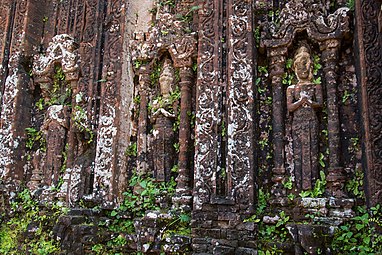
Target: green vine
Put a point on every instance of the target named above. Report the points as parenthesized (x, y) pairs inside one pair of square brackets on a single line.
[(132, 150)]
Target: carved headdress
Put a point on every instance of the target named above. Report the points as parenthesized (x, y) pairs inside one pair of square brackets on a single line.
[(166, 79), (303, 52)]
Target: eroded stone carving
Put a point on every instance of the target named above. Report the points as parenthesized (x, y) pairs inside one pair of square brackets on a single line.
[(58, 126), (163, 117), (325, 29), (55, 128), (311, 16), (62, 49), (370, 41), (303, 100), (171, 42)]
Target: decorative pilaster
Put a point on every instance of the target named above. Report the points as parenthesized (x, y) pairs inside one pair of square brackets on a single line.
[(106, 171), (6, 10), (335, 178), (208, 94), (144, 83), (183, 188), (277, 58), (239, 103), (182, 52), (20, 35), (369, 46)]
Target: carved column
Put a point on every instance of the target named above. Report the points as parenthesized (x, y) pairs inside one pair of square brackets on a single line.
[(144, 83), (183, 188), (20, 36), (181, 52), (239, 105), (277, 57), (6, 9), (72, 78), (335, 176), (71, 196)]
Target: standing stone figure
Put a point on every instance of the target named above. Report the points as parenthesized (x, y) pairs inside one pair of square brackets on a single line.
[(55, 127), (303, 100), (163, 119)]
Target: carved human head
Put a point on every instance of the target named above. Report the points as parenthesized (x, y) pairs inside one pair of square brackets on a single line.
[(302, 64), (166, 79)]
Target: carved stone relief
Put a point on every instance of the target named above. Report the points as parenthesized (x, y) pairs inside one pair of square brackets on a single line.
[(326, 30), (162, 117), (303, 100), (168, 45), (58, 126), (370, 41)]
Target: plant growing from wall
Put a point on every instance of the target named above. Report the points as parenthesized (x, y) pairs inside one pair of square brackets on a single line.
[(35, 136), (61, 91), (80, 121), (132, 150), (155, 74), (27, 228), (359, 235), (142, 196), (355, 185), (319, 188)]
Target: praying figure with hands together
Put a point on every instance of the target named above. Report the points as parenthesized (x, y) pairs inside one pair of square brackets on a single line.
[(303, 100)]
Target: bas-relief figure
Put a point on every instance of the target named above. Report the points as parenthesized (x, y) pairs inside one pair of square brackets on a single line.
[(303, 101), (163, 119), (55, 127)]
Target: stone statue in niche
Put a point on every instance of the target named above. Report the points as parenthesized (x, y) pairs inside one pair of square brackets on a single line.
[(163, 119), (303, 100), (55, 128)]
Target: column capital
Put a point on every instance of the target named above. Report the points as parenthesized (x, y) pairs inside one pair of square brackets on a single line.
[(332, 43), (182, 51)]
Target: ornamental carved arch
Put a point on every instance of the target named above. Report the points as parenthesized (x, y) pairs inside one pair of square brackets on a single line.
[(62, 50), (164, 58), (57, 72)]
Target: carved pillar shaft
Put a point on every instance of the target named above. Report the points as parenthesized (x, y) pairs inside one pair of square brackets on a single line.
[(72, 129), (368, 44), (335, 176), (183, 179), (330, 59), (207, 101), (144, 83), (277, 63), (72, 142), (277, 58)]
